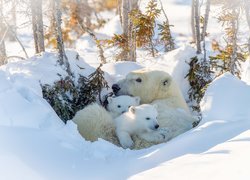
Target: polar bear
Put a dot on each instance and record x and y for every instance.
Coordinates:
(158, 87)
(94, 121)
(120, 104)
(139, 121)
(153, 87)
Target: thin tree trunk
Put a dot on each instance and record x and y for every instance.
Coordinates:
(197, 26)
(192, 21)
(247, 12)
(2, 36)
(206, 16)
(235, 27)
(37, 25)
(34, 24)
(63, 60)
(171, 44)
(40, 34)
(132, 35)
(204, 30)
(13, 21)
(101, 52)
(125, 28)
(14, 34)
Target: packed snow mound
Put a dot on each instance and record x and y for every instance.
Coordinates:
(226, 98)
(246, 72)
(21, 99)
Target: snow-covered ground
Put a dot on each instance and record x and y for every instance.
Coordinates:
(35, 144)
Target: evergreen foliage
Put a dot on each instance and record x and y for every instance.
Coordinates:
(231, 55)
(143, 30)
(67, 96)
(199, 76)
(144, 24)
(165, 36)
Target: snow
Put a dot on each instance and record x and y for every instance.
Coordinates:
(225, 131)
(36, 144)
(230, 103)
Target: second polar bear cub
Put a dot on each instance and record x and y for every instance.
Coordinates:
(139, 120)
(120, 104)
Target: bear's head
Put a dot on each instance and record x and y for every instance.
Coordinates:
(149, 85)
(120, 104)
(145, 117)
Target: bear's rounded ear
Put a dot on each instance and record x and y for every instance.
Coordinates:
(109, 99)
(132, 109)
(137, 100)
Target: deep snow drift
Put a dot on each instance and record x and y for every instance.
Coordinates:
(35, 144)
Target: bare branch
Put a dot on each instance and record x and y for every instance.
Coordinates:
(101, 52)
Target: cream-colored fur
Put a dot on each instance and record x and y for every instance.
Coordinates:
(158, 87)
(152, 86)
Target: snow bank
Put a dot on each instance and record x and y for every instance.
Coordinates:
(227, 98)
(246, 72)
(21, 101)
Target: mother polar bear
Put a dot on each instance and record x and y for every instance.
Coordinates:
(158, 87)
(153, 87)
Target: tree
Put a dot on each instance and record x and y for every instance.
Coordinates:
(206, 16)
(37, 25)
(197, 25)
(3, 32)
(192, 20)
(247, 12)
(231, 54)
(165, 32)
(62, 58)
(12, 33)
(129, 50)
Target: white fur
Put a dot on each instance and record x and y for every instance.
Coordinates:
(156, 87)
(137, 121)
(95, 122)
(120, 104)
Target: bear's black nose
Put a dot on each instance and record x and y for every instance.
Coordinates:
(115, 88)
(156, 126)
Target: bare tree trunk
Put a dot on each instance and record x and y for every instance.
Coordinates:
(235, 27)
(169, 45)
(13, 21)
(119, 3)
(101, 52)
(247, 12)
(63, 60)
(40, 34)
(206, 16)
(125, 26)
(129, 51)
(37, 25)
(34, 24)
(197, 26)
(2, 36)
(132, 35)
(192, 20)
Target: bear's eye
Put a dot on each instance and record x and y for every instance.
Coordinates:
(147, 118)
(165, 82)
(138, 80)
(129, 106)
(119, 106)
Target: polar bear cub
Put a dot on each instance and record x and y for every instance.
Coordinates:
(139, 120)
(120, 104)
